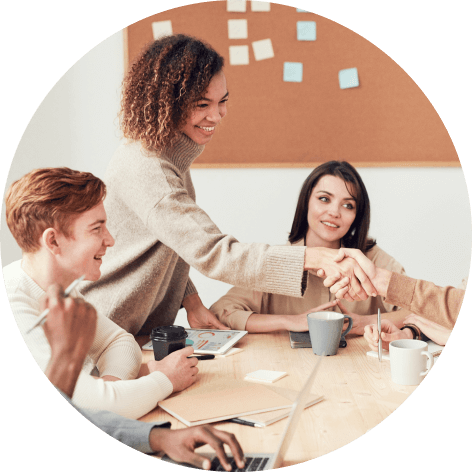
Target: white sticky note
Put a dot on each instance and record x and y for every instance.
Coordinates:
(260, 6)
(263, 49)
(237, 29)
(266, 376)
(236, 5)
(238, 55)
(348, 78)
(161, 28)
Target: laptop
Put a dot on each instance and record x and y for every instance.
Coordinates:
(259, 461)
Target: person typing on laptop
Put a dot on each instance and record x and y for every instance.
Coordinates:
(70, 329)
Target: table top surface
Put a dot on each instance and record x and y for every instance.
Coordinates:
(358, 394)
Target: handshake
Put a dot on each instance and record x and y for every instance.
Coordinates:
(348, 273)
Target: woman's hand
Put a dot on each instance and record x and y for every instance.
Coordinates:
(299, 323)
(389, 333)
(437, 333)
(200, 317)
(358, 322)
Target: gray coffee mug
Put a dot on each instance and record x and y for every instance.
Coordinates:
(326, 329)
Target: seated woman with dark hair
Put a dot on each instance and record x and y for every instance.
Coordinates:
(333, 210)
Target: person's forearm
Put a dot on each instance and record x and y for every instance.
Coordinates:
(63, 373)
(192, 302)
(257, 323)
(381, 281)
(396, 317)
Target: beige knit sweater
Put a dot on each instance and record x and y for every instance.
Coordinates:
(160, 231)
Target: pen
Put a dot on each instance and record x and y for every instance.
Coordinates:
(244, 422)
(42, 317)
(205, 357)
(379, 328)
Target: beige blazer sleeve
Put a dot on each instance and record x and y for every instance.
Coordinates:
(234, 308)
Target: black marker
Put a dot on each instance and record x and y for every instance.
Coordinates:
(243, 422)
(205, 357)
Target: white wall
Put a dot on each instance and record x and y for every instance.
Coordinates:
(419, 215)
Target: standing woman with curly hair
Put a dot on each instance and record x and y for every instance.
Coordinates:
(174, 97)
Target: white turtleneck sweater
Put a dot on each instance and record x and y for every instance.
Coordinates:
(160, 231)
(113, 352)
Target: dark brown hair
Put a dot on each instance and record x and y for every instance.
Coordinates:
(162, 87)
(357, 236)
(49, 198)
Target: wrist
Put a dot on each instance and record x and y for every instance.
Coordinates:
(63, 373)
(191, 302)
(312, 258)
(413, 332)
(381, 281)
(156, 438)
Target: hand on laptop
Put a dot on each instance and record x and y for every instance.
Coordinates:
(180, 444)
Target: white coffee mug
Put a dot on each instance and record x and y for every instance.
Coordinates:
(408, 361)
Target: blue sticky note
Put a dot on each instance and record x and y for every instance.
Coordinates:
(306, 30)
(348, 78)
(299, 10)
(293, 71)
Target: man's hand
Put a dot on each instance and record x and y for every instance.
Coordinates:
(198, 316)
(180, 444)
(70, 325)
(379, 277)
(70, 329)
(326, 262)
(182, 372)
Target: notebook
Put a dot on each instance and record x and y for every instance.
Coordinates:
(302, 339)
(259, 461)
(221, 400)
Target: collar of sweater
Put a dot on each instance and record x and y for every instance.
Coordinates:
(182, 153)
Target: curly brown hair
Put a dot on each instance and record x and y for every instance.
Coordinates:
(163, 86)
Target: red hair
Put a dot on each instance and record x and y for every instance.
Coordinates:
(49, 198)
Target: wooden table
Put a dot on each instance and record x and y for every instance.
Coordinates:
(358, 393)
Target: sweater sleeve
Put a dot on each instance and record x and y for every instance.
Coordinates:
(189, 289)
(174, 218)
(234, 308)
(439, 304)
(128, 398)
(115, 351)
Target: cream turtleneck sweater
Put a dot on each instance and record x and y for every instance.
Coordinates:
(160, 232)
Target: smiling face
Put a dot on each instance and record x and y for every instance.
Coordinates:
(208, 112)
(82, 252)
(331, 212)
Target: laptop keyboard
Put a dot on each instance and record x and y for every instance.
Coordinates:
(252, 464)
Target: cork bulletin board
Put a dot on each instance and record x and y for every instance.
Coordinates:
(385, 120)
